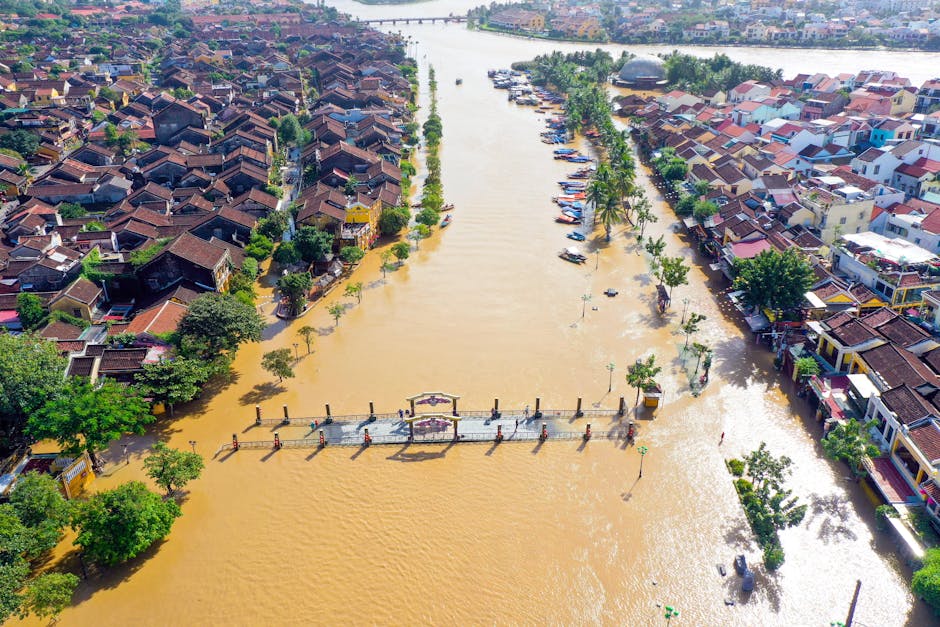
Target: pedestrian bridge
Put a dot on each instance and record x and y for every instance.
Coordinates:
(416, 20)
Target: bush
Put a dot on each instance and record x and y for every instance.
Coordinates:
(926, 581)
(736, 466)
(393, 220)
(259, 247)
(773, 557)
(286, 253)
(351, 254)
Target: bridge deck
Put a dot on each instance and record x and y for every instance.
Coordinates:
(472, 427)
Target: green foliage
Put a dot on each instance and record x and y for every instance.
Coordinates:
(174, 381)
(768, 506)
(736, 467)
(171, 469)
(49, 593)
(39, 505)
(354, 290)
(218, 323)
(295, 287)
(428, 217)
(274, 190)
(336, 311)
(117, 525)
(312, 243)
(91, 263)
(142, 256)
(774, 279)
(806, 367)
(30, 311)
(849, 442)
(250, 268)
(401, 250)
(307, 333)
(393, 220)
(26, 143)
(289, 130)
(703, 209)
(926, 580)
(673, 272)
(642, 374)
(259, 247)
(691, 73)
(278, 363)
(286, 253)
(83, 417)
(243, 283)
(273, 225)
(31, 370)
(61, 316)
(94, 225)
(351, 254)
(71, 210)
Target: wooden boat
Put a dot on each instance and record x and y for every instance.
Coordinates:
(573, 255)
(447, 219)
(563, 219)
(448, 207)
(578, 237)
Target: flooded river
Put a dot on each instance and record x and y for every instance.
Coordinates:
(561, 533)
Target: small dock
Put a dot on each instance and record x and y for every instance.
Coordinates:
(434, 427)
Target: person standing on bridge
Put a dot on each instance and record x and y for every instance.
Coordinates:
(526, 412)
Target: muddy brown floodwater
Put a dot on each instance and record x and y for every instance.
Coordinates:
(520, 534)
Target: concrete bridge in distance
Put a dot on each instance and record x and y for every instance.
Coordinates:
(416, 20)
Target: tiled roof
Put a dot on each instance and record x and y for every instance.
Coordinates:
(58, 330)
(81, 366)
(82, 290)
(907, 405)
(927, 438)
(897, 366)
(161, 318)
(854, 333)
(122, 360)
(194, 250)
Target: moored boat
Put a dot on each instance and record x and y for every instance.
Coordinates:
(447, 219)
(460, 81)
(573, 255)
(563, 219)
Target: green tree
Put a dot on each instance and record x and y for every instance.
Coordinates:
(643, 212)
(39, 505)
(295, 287)
(217, 323)
(850, 442)
(30, 311)
(117, 525)
(48, 594)
(351, 254)
(349, 188)
(686, 205)
(703, 209)
(642, 374)
(692, 325)
(354, 290)
(71, 210)
(806, 367)
(307, 333)
(174, 381)
(273, 225)
(83, 417)
(259, 247)
(656, 247)
(278, 363)
(312, 243)
(419, 232)
(336, 311)
(401, 250)
(289, 130)
(26, 143)
(386, 258)
(428, 217)
(31, 371)
(609, 213)
(171, 469)
(926, 580)
(286, 254)
(774, 279)
(674, 272)
(393, 220)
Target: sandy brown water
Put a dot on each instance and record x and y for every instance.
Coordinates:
(517, 534)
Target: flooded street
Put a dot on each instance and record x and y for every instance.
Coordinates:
(561, 533)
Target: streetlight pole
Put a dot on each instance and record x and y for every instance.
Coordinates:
(685, 307)
(296, 354)
(192, 443)
(597, 258)
(642, 450)
(584, 301)
(610, 378)
(127, 458)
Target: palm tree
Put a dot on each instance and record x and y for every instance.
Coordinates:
(611, 213)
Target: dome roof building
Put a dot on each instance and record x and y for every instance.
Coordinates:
(643, 72)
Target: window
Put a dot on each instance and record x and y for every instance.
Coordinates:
(842, 220)
(861, 215)
(877, 169)
(77, 313)
(917, 240)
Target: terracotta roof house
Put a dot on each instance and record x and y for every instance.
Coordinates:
(80, 299)
(187, 258)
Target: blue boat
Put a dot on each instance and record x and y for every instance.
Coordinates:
(575, 236)
(572, 214)
(579, 159)
(565, 151)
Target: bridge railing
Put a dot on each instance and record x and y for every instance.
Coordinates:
(505, 414)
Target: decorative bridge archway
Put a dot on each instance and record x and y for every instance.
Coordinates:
(433, 399)
(433, 421)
